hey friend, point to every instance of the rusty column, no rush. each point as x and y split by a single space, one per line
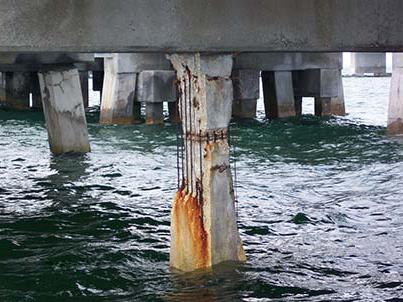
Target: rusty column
203 227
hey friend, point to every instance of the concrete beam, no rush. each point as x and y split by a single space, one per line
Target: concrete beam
210 25
288 61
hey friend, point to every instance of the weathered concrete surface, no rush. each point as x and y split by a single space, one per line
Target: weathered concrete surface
119 91
323 106
18 88
288 61
156 86
322 84
203 227
210 25
369 63
338 106
395 114
173 111
246 84
278 93
154 113
64 111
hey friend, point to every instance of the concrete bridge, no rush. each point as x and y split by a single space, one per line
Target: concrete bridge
204 58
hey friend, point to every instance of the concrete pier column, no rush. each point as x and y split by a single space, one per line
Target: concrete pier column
173 111
325 85
278 94
36 92
84 87
18 87
119 89
395 113
338 106
298 105
2 88
323 106
246 93
203 227
153 88
64 110
369 62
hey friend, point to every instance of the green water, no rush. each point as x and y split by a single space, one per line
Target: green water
320 211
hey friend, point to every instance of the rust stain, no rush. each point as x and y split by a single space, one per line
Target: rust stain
190 232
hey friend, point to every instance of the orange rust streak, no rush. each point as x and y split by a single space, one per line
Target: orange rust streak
190 231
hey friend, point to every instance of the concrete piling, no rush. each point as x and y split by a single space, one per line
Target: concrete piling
36 92
18 87
2 88
64 110
84 87
395 112
153 88
246 93
278 94
119 90
203 225
325 85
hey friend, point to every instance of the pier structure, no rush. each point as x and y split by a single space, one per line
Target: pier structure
201 37
56 83
395 113
371 63
132 79
287 78
19 74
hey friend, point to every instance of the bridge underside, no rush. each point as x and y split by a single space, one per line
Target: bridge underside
200 26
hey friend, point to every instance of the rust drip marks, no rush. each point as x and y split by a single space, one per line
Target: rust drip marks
190 233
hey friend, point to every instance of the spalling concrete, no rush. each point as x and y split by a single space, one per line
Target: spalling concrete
203 225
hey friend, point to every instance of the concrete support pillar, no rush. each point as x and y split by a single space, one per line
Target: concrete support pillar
18 87
369 62
173 110
323 106
246 93
36 92
153 88
325 85
119 89
98 76
154 113
338 106
278 94
2 88
395 113
64 111
84 87
203 227
298 105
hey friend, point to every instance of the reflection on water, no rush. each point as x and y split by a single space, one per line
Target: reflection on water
320 211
